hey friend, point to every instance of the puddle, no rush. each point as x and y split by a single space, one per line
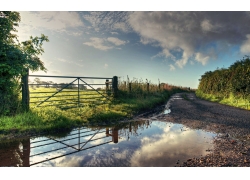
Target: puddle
131 144
167 109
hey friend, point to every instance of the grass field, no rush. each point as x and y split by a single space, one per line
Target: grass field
66 97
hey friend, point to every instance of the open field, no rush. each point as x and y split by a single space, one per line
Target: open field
64 98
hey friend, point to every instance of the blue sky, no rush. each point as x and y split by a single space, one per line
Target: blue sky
176 47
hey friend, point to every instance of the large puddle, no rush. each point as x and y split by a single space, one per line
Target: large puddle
137 143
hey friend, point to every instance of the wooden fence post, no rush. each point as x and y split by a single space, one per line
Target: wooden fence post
129 88
25 91
148 87
107 87
115 85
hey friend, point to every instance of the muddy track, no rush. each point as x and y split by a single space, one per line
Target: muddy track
232 145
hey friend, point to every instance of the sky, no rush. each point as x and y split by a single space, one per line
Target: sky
174 47
175 42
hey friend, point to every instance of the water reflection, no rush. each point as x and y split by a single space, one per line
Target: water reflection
15 153
138 143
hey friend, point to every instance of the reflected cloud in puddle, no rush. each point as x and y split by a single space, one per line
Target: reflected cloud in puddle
138 143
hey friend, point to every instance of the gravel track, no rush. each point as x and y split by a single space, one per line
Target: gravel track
231 146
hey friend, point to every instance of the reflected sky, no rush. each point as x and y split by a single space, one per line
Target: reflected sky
134 144
142 143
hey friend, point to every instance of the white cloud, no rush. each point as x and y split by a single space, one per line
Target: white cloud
52 20
245 47
59 21
106 66
172 68
98 43
201 58
116 41
105 43
168 145
206 25
121 26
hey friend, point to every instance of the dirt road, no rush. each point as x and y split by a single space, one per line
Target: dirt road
232 146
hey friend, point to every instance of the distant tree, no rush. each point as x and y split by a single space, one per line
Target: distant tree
82 87
15 57
37 81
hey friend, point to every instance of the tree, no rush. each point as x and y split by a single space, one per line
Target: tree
15 58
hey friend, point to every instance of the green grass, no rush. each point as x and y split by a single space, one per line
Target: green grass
232 100
51 119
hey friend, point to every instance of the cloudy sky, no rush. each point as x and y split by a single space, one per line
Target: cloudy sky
176 47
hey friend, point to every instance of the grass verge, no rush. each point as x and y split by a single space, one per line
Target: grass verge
232 100
51 119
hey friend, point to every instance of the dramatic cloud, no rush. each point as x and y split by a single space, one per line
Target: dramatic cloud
105 43
199 35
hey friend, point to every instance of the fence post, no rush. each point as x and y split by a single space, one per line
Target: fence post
107 87
78 93
148 87
129 88
25 91
115 85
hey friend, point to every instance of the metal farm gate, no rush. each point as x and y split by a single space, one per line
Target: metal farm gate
76 92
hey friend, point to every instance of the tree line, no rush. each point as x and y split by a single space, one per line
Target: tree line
50 84
225 82
15 58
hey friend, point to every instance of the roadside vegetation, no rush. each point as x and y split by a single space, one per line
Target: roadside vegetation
229 86
126 105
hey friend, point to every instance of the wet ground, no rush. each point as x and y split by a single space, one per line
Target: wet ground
185 132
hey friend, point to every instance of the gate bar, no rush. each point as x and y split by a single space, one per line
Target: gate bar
70 77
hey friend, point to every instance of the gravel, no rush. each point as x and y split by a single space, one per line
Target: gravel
231 145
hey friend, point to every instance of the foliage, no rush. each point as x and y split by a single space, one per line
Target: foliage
15 58
233 82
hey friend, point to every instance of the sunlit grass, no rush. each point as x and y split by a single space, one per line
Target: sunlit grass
232 100
51 118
